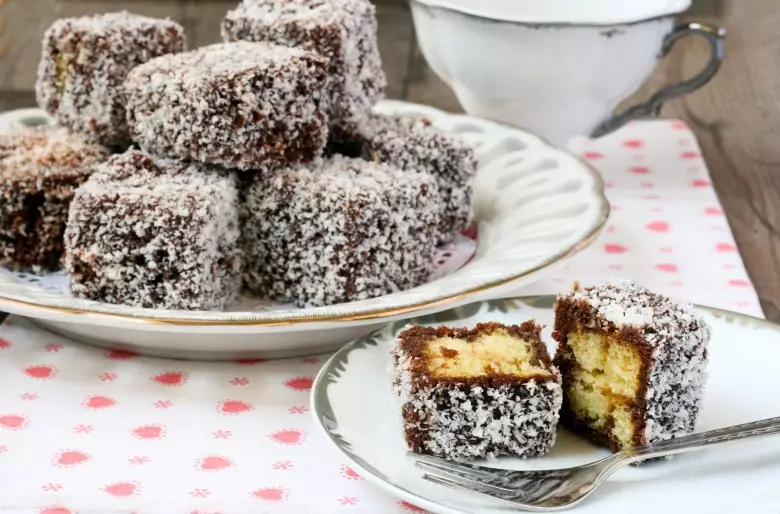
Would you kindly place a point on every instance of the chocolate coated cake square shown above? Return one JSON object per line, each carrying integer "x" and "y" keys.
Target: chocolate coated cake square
{"x": 414, "y": 145}
{"x": 239, "y": 105}
{"x": 84, "y": 63}
{"x": 155, "y": 233}
{"x": 633, "y": 364}
{"x": 40, "y": 169}
{"x": 343, "y": 31}
{"x": 338, "y": 230}
{"x": 477, "y": 393}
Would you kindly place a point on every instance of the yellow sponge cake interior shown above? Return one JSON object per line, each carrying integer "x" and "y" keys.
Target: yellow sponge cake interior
{"x": 497, "y": 352}
{"x": 604, "y": 383}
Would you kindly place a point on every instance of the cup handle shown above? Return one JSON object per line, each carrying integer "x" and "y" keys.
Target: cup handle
{"x": 716, "y": 37}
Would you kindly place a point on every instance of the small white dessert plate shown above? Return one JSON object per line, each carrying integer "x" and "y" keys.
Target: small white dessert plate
{"x": 534, "y": 207}
{"x": 354, "y": 407}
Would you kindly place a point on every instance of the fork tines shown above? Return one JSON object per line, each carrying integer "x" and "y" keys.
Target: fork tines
{"x": 501, "y": 484}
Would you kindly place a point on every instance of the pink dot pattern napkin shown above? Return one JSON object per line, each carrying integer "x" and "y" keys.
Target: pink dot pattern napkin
{"x": 86, "y": 430}
{"x": 667, "y": 229}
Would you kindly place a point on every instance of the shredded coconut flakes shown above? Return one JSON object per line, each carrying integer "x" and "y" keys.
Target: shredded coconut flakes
{"x": 84, "y": 62}
{"x": 337, "y": 230}
{"x": 342, "y": 31}
{"x": 155, "y": 233}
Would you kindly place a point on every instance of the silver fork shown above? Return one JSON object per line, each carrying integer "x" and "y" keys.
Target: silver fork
{"x": 559, "y": 489}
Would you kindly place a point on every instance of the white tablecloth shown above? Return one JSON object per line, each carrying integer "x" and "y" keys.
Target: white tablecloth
{"x": 84, "y": 430}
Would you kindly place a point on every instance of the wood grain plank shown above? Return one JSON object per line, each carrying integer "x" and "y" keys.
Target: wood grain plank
{"x": 424, "y": 86}
{"x": 23, "y": 28}
{"x": 202, "y": 20}
{"x": 708, "y": 7}
{"x": 10, "y": 99}
{"x": 395, "y": 37}
{"x": 154, "y": 8}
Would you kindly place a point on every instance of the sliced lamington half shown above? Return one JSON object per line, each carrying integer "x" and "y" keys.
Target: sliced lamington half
{"x": 633, "y": 364}
{"x": 477, "y": 393}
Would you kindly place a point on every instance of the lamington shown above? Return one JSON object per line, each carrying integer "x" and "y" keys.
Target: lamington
{"x": 338, "y": 230}
{"x": 415, "y": 145}
{"x": 633, "y": 364}
{"x": 40, "y": 167}
{"x": 343, "y": 31}
{"x": 84, "y": 62}
{"x": 155, "y": 233}
{"x": 476, "y": 393}
{"x": 239, "y": 105}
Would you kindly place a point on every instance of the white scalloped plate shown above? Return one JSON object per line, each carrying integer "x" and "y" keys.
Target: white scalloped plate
{"x": 354, "y": 408}
{"x": 535, "y": 205}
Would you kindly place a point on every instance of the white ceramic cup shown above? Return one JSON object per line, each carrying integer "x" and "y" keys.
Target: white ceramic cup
{"x": 553, "y": 67}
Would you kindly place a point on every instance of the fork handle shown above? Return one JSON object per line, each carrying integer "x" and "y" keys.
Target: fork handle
{"x": 704, "y": 439}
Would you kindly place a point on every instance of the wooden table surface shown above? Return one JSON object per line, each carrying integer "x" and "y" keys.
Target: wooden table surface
{"x": 736, "y": 117}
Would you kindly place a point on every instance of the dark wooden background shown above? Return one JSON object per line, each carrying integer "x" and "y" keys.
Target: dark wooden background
{"x": 736, "y": 117}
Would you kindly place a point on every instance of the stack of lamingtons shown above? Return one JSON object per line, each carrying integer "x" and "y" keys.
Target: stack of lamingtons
{"x": 257, "y": 162}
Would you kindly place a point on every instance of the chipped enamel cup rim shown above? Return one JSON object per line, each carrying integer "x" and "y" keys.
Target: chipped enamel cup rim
{"x": 355, "y": 411}
{"x": 535, "y": 206}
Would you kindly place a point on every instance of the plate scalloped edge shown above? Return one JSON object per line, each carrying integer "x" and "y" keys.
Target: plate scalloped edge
{"x": 534, "y": 205}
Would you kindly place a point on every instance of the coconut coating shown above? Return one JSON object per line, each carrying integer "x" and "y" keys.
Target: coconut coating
{"x": 343, "y": 31}
{"x": 155, "y": 233}
{"x": 415, "y": 145}
{"x": 239, "y": 105}
{"x": 84, "y": 62}
{"x": 40, "y": 169}
{"x": 484, "y": 416}
{"x": 338, "y": 230}
{"x": 671, "y": 339}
